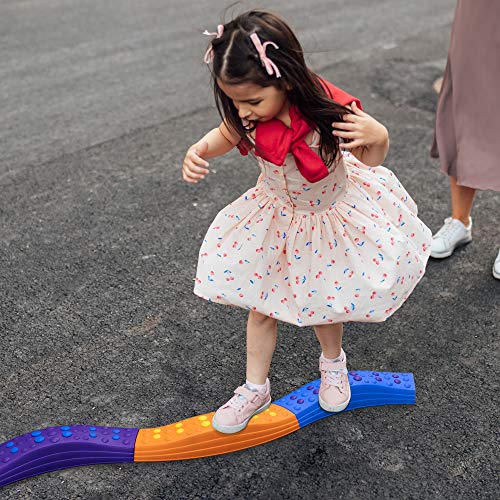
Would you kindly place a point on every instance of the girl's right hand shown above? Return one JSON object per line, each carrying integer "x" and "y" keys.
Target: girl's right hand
{"x": 193, "y": 162}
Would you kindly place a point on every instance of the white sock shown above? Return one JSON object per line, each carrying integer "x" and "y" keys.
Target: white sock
{"x": 334, "y": 360}
{"x": 256, "y": 387}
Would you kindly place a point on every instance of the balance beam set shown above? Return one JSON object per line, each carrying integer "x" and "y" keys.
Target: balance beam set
{"x": 64, "y": 446}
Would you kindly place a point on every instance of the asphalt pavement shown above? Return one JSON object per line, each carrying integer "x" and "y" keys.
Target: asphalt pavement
{"x": 99, "y": 239}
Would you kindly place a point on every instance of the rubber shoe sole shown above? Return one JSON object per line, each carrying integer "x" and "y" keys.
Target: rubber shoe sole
{"x": 232, "y": 429}
{"x": 495, "y": 274}
{"x": 442, "y": 255}
{"x": 334, "y": 409}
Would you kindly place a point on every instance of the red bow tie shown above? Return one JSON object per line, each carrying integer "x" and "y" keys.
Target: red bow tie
{"x": 274, "y": 140}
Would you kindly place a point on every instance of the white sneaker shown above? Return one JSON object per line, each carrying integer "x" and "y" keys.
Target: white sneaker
{"x": 451, "y": 235}
{"x": 496, "y": 267}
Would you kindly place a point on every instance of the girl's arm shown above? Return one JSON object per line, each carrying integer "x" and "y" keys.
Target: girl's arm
{"x": 220, "y": 141}
{"x": 369, "y": 139}
{"x": 217, "y": 142}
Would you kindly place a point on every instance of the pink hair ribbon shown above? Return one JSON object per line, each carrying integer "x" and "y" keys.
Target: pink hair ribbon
{"x": 266, "y": 62}
{"x": 209, "y": 54}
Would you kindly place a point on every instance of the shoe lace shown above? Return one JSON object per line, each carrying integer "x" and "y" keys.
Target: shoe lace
{"x": 447, "y": 231}
{"x": 334, "y": 378}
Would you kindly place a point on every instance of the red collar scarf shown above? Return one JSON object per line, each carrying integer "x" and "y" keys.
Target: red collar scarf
{"x": 274, "y": 140}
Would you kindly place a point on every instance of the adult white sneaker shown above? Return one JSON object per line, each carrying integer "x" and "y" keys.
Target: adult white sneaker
{"x": 496, "y": 267}
{"x": 451, "y": 235}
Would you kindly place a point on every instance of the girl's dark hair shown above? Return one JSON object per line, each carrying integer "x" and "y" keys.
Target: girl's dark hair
{"x": 236, "y": 61}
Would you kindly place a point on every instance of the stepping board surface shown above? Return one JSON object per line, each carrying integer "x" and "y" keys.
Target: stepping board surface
{"x": 367, "y": 389}
{"x": 65, "y": 446}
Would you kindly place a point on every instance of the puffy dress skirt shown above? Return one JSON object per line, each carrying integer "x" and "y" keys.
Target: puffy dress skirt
{"x": 347, "y": 248}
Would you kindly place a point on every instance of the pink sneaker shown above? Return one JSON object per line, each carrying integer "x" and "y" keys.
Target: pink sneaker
{"x": 334, "y": 392}
{"x": 237, "y": 412}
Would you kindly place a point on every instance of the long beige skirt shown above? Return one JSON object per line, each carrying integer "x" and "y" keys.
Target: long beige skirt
{"x": 467, "y": 133}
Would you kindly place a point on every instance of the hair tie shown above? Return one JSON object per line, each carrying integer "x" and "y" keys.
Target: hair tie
{"x": 266, "y": 62}
{"x": 209, "y": 54}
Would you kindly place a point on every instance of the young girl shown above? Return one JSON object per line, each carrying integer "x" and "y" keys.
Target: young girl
{"x": 324, "y": 237}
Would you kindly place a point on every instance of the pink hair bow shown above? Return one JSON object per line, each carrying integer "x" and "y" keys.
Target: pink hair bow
{"x": 266, "y": 62}
{"x": 209, "y": 54}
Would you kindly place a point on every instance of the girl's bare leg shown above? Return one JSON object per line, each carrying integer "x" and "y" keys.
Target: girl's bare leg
{"x": 462, "y": 198}
{"x": 330, "y": 338}
{"x": 262, "y": 332}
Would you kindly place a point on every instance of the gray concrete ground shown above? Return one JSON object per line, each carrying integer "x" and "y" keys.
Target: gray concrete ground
{"x": 99, "y": 242}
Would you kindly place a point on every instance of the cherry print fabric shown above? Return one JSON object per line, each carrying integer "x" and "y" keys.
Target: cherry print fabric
{"x": 347, "y": 248}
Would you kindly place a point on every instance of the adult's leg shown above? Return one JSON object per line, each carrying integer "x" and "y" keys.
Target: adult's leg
{"x": 462, "y": 198}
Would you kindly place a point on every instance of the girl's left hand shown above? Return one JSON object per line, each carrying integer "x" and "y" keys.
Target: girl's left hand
{"x": 360, "y": 129}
